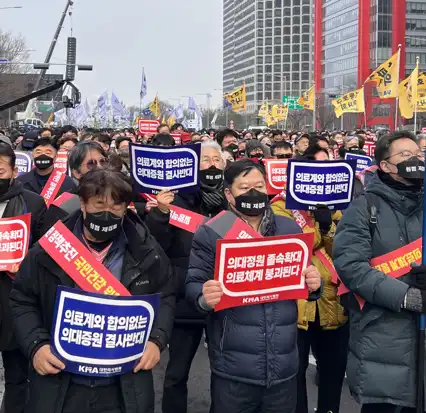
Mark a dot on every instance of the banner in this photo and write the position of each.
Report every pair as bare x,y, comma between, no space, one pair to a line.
148,127
14,240
237,99
362,162
61,161
310,183
79,263
351,102
259,271
101,336
154,169
24,162
276,172
52,186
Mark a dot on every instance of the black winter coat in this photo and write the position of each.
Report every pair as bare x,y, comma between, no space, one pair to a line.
177,244
255,344
34,204
30,183
146,270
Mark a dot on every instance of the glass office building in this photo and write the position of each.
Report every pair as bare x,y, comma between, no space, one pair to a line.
268,45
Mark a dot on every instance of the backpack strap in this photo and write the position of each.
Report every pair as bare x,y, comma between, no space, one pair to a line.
372,210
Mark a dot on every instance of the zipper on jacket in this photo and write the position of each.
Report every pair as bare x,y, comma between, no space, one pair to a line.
222,338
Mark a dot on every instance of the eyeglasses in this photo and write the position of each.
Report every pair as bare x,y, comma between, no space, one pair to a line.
408,154
93,163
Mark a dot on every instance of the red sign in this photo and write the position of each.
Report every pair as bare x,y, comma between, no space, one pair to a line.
423,130
148,127
184,219
79,263
369,148
64,197
52,187
177,138
14,241
276,171
258,271
61,161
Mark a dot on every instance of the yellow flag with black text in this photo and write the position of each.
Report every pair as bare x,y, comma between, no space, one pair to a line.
154,107
351,102
307,100
264,110
237,99
408,94
421,93
279,112
386,77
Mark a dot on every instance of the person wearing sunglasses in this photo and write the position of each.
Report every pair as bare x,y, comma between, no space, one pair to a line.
281,150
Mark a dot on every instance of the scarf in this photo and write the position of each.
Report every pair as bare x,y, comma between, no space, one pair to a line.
16,205
410,191
212,198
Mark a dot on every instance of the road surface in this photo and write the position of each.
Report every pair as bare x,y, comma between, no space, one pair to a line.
199,382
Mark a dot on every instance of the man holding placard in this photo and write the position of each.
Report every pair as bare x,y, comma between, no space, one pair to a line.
253,339
93,351
21,212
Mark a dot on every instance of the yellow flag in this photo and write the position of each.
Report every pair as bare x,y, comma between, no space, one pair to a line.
237,99
408,94
386,77
279,112
51,118
421,93
264,110
171,121
351,102
269,119
154,107
307,100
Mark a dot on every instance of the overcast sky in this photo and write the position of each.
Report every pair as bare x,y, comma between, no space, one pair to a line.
179,42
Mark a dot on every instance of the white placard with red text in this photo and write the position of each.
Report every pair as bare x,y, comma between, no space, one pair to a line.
148,127
14,241
259,271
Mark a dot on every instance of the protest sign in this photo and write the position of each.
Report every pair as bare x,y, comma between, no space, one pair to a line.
24,162
79,263
52,186
97,335
276,171
61,161
154,169
148,127
310,183
14,240
369,148
177,137
362,161
258,271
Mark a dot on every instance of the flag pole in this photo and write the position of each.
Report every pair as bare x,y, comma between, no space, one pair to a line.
314,110
416,97
398,79
365,110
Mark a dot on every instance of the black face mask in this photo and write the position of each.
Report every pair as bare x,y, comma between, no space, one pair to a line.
242,154
413,169
257,156
43,162
103,225
252,203
211,176
233,148
284,156
4,185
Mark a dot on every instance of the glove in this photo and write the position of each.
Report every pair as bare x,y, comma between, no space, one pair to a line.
418,276
322,215
415,300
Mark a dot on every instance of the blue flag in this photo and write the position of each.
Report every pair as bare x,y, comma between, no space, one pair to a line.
100,335
310,183
154,169
362,161
146,112
24,162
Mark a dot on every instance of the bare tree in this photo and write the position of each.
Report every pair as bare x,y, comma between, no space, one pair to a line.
296,118
14,49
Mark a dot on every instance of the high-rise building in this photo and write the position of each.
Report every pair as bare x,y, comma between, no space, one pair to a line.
268,45
353,37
